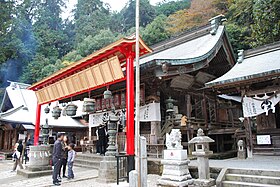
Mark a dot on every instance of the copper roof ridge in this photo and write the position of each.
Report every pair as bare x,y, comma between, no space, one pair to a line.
183,37
262,49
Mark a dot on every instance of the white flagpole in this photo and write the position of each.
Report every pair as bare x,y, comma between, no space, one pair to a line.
137,94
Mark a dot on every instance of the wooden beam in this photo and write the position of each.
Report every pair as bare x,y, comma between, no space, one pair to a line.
276,88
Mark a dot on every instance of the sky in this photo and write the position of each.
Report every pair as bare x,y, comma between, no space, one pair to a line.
116,5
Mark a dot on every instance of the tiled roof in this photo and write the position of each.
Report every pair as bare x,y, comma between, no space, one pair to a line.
255,65
194,49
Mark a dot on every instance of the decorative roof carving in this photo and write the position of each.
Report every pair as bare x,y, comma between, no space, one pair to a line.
240,56
215,22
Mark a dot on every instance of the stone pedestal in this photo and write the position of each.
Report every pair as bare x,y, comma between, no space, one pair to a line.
108,170
204,182
39,162
241,154
175,169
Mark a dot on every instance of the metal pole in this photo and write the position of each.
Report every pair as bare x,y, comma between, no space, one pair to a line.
137,80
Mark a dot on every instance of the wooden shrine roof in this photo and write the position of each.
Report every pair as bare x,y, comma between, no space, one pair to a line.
251,66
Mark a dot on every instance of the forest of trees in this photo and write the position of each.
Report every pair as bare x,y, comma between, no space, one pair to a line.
35,41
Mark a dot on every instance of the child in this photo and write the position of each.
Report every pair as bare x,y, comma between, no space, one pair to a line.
70,160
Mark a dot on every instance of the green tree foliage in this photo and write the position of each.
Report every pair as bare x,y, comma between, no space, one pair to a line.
169,7
266,27
36,41
240,19
51,41
40,67
49,29
147,12
156,31
93,43
20,39
6,10
91,16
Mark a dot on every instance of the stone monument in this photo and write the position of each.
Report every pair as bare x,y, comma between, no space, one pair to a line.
175,162
241,153
202,152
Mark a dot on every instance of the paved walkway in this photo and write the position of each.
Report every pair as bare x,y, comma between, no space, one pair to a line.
8,178
87,177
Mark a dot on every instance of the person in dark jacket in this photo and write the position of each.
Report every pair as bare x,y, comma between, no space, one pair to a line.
102,138
56,158
17,155
64,157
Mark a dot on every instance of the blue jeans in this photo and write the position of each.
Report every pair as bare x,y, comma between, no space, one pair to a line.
70,170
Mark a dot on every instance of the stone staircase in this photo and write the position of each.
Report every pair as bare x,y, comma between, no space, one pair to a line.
248,177
88,160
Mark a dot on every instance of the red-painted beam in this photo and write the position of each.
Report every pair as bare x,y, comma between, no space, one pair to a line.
130,104
37,124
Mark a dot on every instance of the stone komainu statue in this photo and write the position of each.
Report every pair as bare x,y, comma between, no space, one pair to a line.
240,145
173,140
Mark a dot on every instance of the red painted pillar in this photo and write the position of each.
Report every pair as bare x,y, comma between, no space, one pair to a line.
130,104
37,124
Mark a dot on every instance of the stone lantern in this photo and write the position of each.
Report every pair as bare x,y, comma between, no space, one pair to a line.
45,132
107,172
202,152
112,131
170,105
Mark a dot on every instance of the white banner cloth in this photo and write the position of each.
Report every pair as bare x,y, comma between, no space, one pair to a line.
253,106
149,112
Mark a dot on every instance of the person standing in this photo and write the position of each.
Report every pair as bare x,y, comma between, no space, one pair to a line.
97,141
17,155
64,157
56,159
70,159
102,139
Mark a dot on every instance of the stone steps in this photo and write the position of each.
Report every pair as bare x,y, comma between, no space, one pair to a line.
91,161
249,177
87,163
243,184
272,173
253,178
31,174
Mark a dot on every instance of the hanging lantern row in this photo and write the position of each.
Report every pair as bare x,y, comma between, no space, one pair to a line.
71,109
